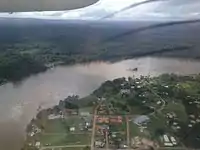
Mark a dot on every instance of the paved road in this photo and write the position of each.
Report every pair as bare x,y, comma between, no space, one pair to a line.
161,148
176,148
78,133
80,146
107,141
64,146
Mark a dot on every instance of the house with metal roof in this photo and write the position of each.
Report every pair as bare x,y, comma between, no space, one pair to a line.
141,120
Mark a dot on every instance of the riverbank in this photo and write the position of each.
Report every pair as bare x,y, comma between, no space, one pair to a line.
167,103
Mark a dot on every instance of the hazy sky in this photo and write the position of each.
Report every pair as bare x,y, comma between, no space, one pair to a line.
159,10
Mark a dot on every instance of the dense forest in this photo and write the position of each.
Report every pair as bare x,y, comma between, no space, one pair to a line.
14,67
29,45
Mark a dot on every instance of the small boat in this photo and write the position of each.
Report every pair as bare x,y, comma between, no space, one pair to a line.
134,69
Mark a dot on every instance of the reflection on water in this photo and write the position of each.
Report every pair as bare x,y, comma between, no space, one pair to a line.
18,104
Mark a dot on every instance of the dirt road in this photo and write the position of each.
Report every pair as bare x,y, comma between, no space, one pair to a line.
128,132
94,127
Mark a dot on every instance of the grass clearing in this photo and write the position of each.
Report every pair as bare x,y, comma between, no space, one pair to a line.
118,127
68,148
86,109
135,130
53,140
177,108
137,110
65,139
55,126
74,148
155,124
63,125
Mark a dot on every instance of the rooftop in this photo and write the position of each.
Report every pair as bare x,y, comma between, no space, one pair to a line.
141,119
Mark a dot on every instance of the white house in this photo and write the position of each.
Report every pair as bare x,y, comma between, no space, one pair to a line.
53,116
190,125
158,102
125,91
85,113
173,140
167,141
37,144
72,129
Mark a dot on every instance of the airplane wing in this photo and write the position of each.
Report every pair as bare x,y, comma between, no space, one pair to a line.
42,5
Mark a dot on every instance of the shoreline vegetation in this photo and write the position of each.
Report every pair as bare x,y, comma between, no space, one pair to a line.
176,95
16,66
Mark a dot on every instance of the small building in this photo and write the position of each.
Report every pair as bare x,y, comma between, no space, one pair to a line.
132,87
84,113
166,86
141,120
103,98
167,141
74,113
114,135
125,91
192,121
158,102
192,116
99,144
123,146
53,116
30,144
90,129
72,129
32,134
173,140
198,120
190,125
87,124
168,144
197,102
136,142
171,115
37,144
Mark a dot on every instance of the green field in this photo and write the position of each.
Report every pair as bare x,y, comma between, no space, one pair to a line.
135,130
53,140
65,139
156,123
69,148
56,132
86,109
137,110
178,109
55,126
63,125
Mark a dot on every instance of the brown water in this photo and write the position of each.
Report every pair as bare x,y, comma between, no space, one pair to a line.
18,103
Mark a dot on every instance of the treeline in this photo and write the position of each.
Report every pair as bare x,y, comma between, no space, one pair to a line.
55,42
15,66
